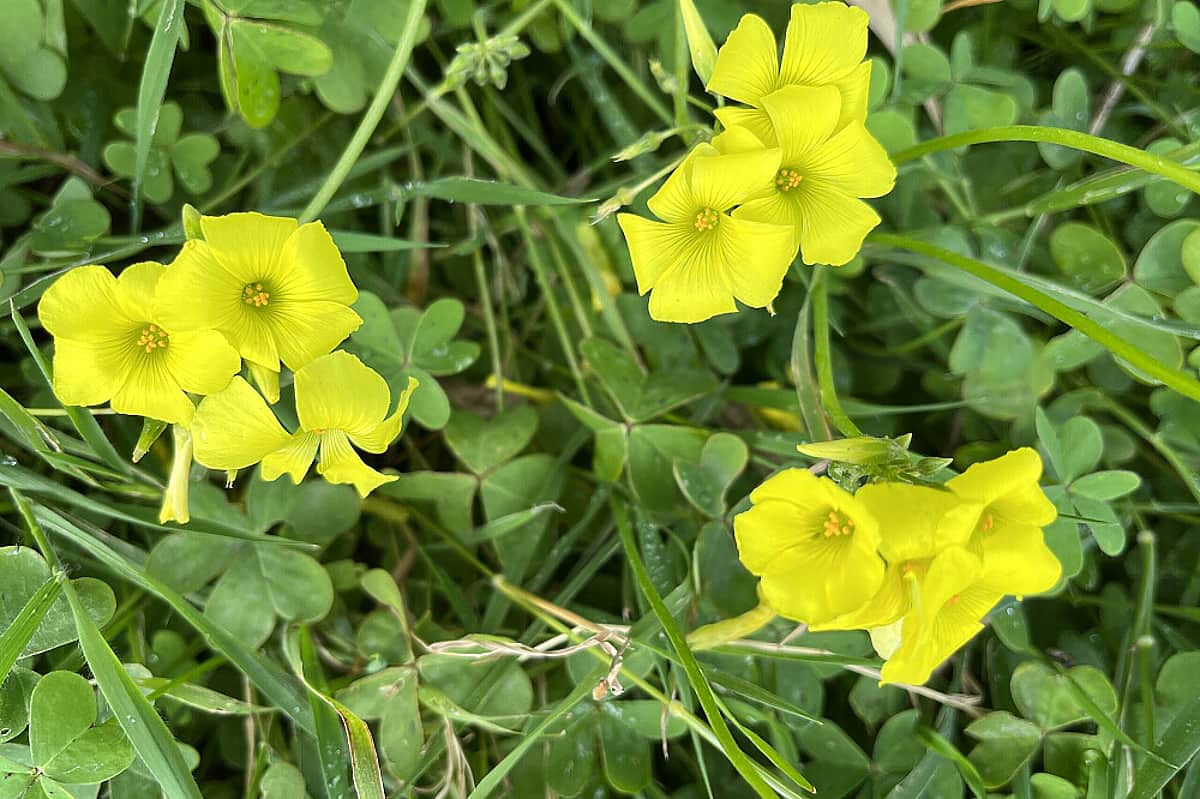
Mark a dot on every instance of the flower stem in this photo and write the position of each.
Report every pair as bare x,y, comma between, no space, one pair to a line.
823,357
1184,383
1073,139
379,103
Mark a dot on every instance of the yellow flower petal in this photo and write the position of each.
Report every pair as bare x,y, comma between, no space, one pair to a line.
833,224
888,605
304,331
1008,486
757,255
853,162
720,182
313,269
737,139
150,390
1017,561
266,379
674,201
198,292
382,436
754,120
248,244
824,42
653,247
85,374
813,544
776,208
339,463
691,292
201,361
917,522
804,117
234,428
856,94
339,392
83,305
748,63
136,286
293,459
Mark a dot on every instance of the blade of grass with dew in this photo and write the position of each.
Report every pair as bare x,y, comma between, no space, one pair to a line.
1182,382
153,86
81,418
336,725
934,742
1072,139
486,192
268,678
1177,747
374,113
728,746
147,732
16,636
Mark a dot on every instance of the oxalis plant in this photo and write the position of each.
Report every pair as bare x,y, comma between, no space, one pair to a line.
556,398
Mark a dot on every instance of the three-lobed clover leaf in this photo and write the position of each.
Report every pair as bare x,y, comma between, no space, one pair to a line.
66,745
33,48
172,156
72,223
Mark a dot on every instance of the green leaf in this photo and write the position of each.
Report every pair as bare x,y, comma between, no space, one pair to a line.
18,632
1090,260
285,49
482,444
571,759
401,736
1048,699
1177,747
23,573
1106,485
624,755
1082,446
1185,21
1005,744
15,693
1159,266
486,192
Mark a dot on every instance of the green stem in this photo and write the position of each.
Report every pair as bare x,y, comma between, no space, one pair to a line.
823,357
1155,164
1160,445
374,113
614,60
1183,383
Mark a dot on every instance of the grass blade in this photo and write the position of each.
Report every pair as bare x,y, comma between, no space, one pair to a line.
729,747
146,730
14,639
1178,745
1183,383
155,73
268,678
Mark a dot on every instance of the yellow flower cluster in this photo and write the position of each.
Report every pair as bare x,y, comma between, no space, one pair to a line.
263,289
788,173
917,566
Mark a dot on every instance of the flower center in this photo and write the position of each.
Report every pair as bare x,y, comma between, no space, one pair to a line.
153,338
707,219
254,294
988,523
837,524
787,179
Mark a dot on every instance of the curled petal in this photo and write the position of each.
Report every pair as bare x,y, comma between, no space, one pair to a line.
382,436
293,458
339,463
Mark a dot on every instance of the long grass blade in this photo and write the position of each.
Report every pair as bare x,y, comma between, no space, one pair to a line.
155,73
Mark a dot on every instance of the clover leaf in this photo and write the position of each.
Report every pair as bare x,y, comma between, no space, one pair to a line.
187,157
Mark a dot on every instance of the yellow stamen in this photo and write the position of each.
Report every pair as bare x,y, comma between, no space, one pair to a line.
988,523
836,525
707,219
253,294
787,179
153,338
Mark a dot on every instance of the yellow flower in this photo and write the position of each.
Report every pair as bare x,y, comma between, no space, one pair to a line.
917,525
824,46
110,345
825,170
813,545
279,291
701,258
339,401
